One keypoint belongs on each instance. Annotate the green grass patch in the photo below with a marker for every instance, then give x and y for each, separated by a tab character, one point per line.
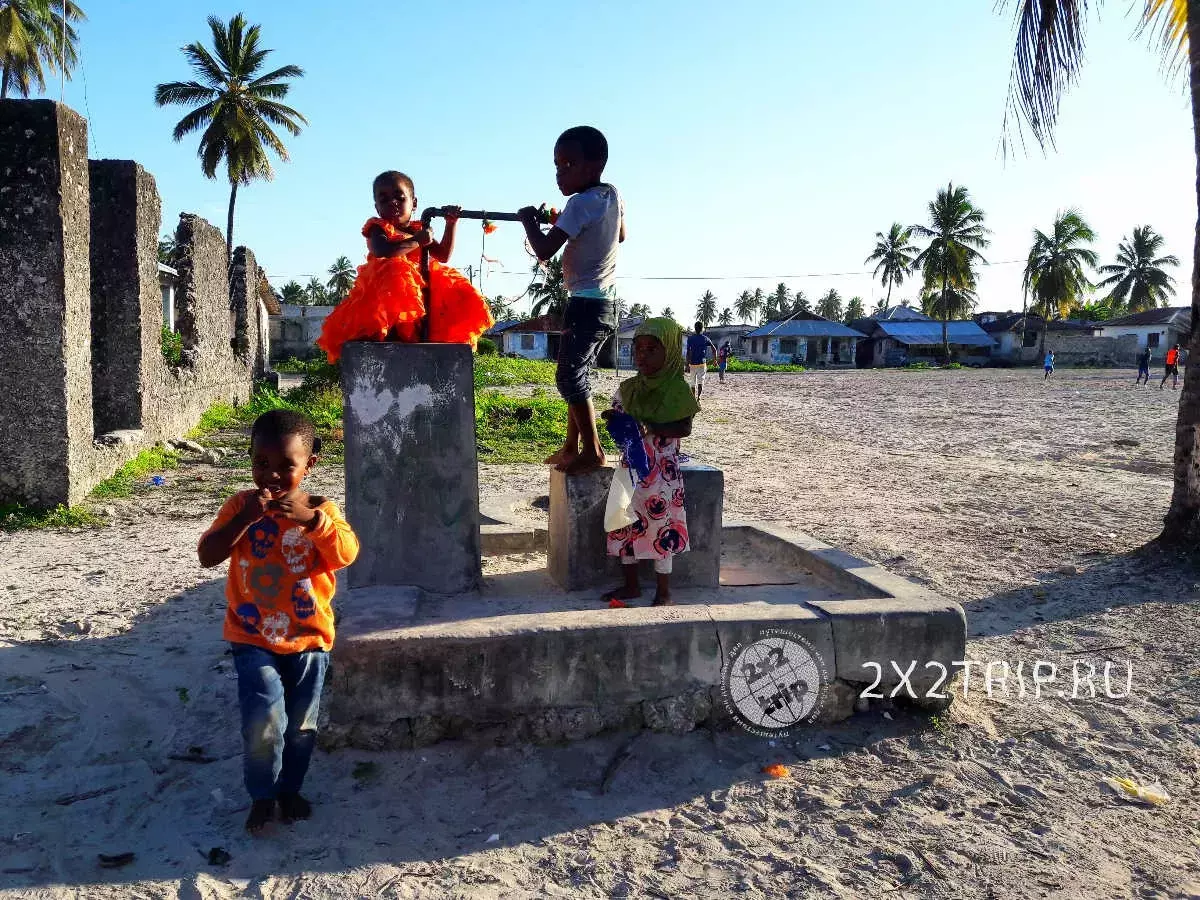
744	365
142	466
172	346
15	517
521	429
503	371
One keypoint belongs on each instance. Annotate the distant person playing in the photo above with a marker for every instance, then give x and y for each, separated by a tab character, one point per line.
283	547
659	401
723	360
1144	366
1172	372
1048	364
698	347
591	226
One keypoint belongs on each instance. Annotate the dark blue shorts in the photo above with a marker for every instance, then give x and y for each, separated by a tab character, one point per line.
587	324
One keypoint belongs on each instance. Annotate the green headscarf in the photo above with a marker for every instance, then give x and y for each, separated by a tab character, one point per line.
664	397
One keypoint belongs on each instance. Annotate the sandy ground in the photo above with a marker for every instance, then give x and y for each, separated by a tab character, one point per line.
1025	501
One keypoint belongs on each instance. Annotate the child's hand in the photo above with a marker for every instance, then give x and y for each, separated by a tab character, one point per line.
451	213
423	237
256	506
295	511
528	215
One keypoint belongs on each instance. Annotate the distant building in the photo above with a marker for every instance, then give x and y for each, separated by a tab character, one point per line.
902	335
1018	336
168	278
295	330
1157	329
806	339
536	338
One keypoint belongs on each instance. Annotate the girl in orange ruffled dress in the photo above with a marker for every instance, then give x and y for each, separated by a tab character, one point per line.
385	303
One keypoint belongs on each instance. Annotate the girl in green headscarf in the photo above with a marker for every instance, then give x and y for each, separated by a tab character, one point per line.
658	398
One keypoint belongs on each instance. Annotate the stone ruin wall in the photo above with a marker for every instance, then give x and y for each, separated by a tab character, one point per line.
83	382
1085	350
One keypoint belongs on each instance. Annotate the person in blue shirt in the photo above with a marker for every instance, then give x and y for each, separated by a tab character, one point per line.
1049	364
698	348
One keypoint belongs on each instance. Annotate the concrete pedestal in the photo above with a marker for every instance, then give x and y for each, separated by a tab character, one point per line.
412	476
577	556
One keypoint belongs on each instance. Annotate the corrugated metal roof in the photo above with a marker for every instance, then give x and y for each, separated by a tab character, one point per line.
963	333
805	328
1161	316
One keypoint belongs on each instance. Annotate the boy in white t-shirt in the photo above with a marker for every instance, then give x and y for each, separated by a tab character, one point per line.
591	225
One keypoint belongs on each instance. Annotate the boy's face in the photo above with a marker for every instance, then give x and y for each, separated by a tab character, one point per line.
280	465
572	172
394	200
649	355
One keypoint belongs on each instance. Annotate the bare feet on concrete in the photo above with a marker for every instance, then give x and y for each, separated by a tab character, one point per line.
261	812
293	807
582	464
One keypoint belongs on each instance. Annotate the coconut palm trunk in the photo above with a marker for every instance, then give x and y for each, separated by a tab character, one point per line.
945	321
4	82
229	223
1183	518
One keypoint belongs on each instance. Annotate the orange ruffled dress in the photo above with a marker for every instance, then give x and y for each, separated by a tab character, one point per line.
387	294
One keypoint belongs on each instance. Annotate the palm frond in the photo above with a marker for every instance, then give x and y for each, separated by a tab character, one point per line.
183	93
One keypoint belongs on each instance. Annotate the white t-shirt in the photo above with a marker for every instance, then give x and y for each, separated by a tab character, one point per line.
592	222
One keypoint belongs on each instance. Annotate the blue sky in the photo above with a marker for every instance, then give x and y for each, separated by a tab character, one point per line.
753	143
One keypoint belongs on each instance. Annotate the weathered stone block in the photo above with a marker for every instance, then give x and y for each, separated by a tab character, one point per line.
412	477
578	556
45	288
126	297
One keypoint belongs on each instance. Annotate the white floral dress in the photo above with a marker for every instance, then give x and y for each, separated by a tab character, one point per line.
660	531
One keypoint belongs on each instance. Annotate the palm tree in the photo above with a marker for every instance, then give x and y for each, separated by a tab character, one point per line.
293	292
549	294
830	306
894	256
726	317
1054	275
952	303
782	299
166	249
236	104
1137	278
33	34
745	306
341	278
639	311
317	295
956	235
800	304
1048	57
706	309
668	313
855	309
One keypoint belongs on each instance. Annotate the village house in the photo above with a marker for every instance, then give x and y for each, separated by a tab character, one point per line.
536	338
1018	336
294	331
1157	329
806	339
902	335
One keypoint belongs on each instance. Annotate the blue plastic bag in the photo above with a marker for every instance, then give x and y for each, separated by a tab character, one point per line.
624	430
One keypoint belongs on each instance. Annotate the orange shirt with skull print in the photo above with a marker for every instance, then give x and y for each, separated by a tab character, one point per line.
281	578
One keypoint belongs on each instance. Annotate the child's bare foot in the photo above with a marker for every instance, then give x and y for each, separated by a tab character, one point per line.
582	464
293	807
261	812
561	456
625	592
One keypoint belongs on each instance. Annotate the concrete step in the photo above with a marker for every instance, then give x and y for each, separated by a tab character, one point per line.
522	660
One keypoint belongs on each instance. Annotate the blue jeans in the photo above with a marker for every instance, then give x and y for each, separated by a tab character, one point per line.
587	324
280	696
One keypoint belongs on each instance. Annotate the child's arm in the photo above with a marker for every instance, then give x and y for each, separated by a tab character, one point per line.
680	429
441	250
334	539
544	244
217	544
379	245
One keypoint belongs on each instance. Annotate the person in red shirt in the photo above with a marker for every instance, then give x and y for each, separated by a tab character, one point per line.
283	547
1172	371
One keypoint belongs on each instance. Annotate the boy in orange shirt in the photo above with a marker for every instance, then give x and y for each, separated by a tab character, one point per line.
284	546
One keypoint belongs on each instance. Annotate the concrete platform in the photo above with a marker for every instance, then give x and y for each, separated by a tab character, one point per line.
522	660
